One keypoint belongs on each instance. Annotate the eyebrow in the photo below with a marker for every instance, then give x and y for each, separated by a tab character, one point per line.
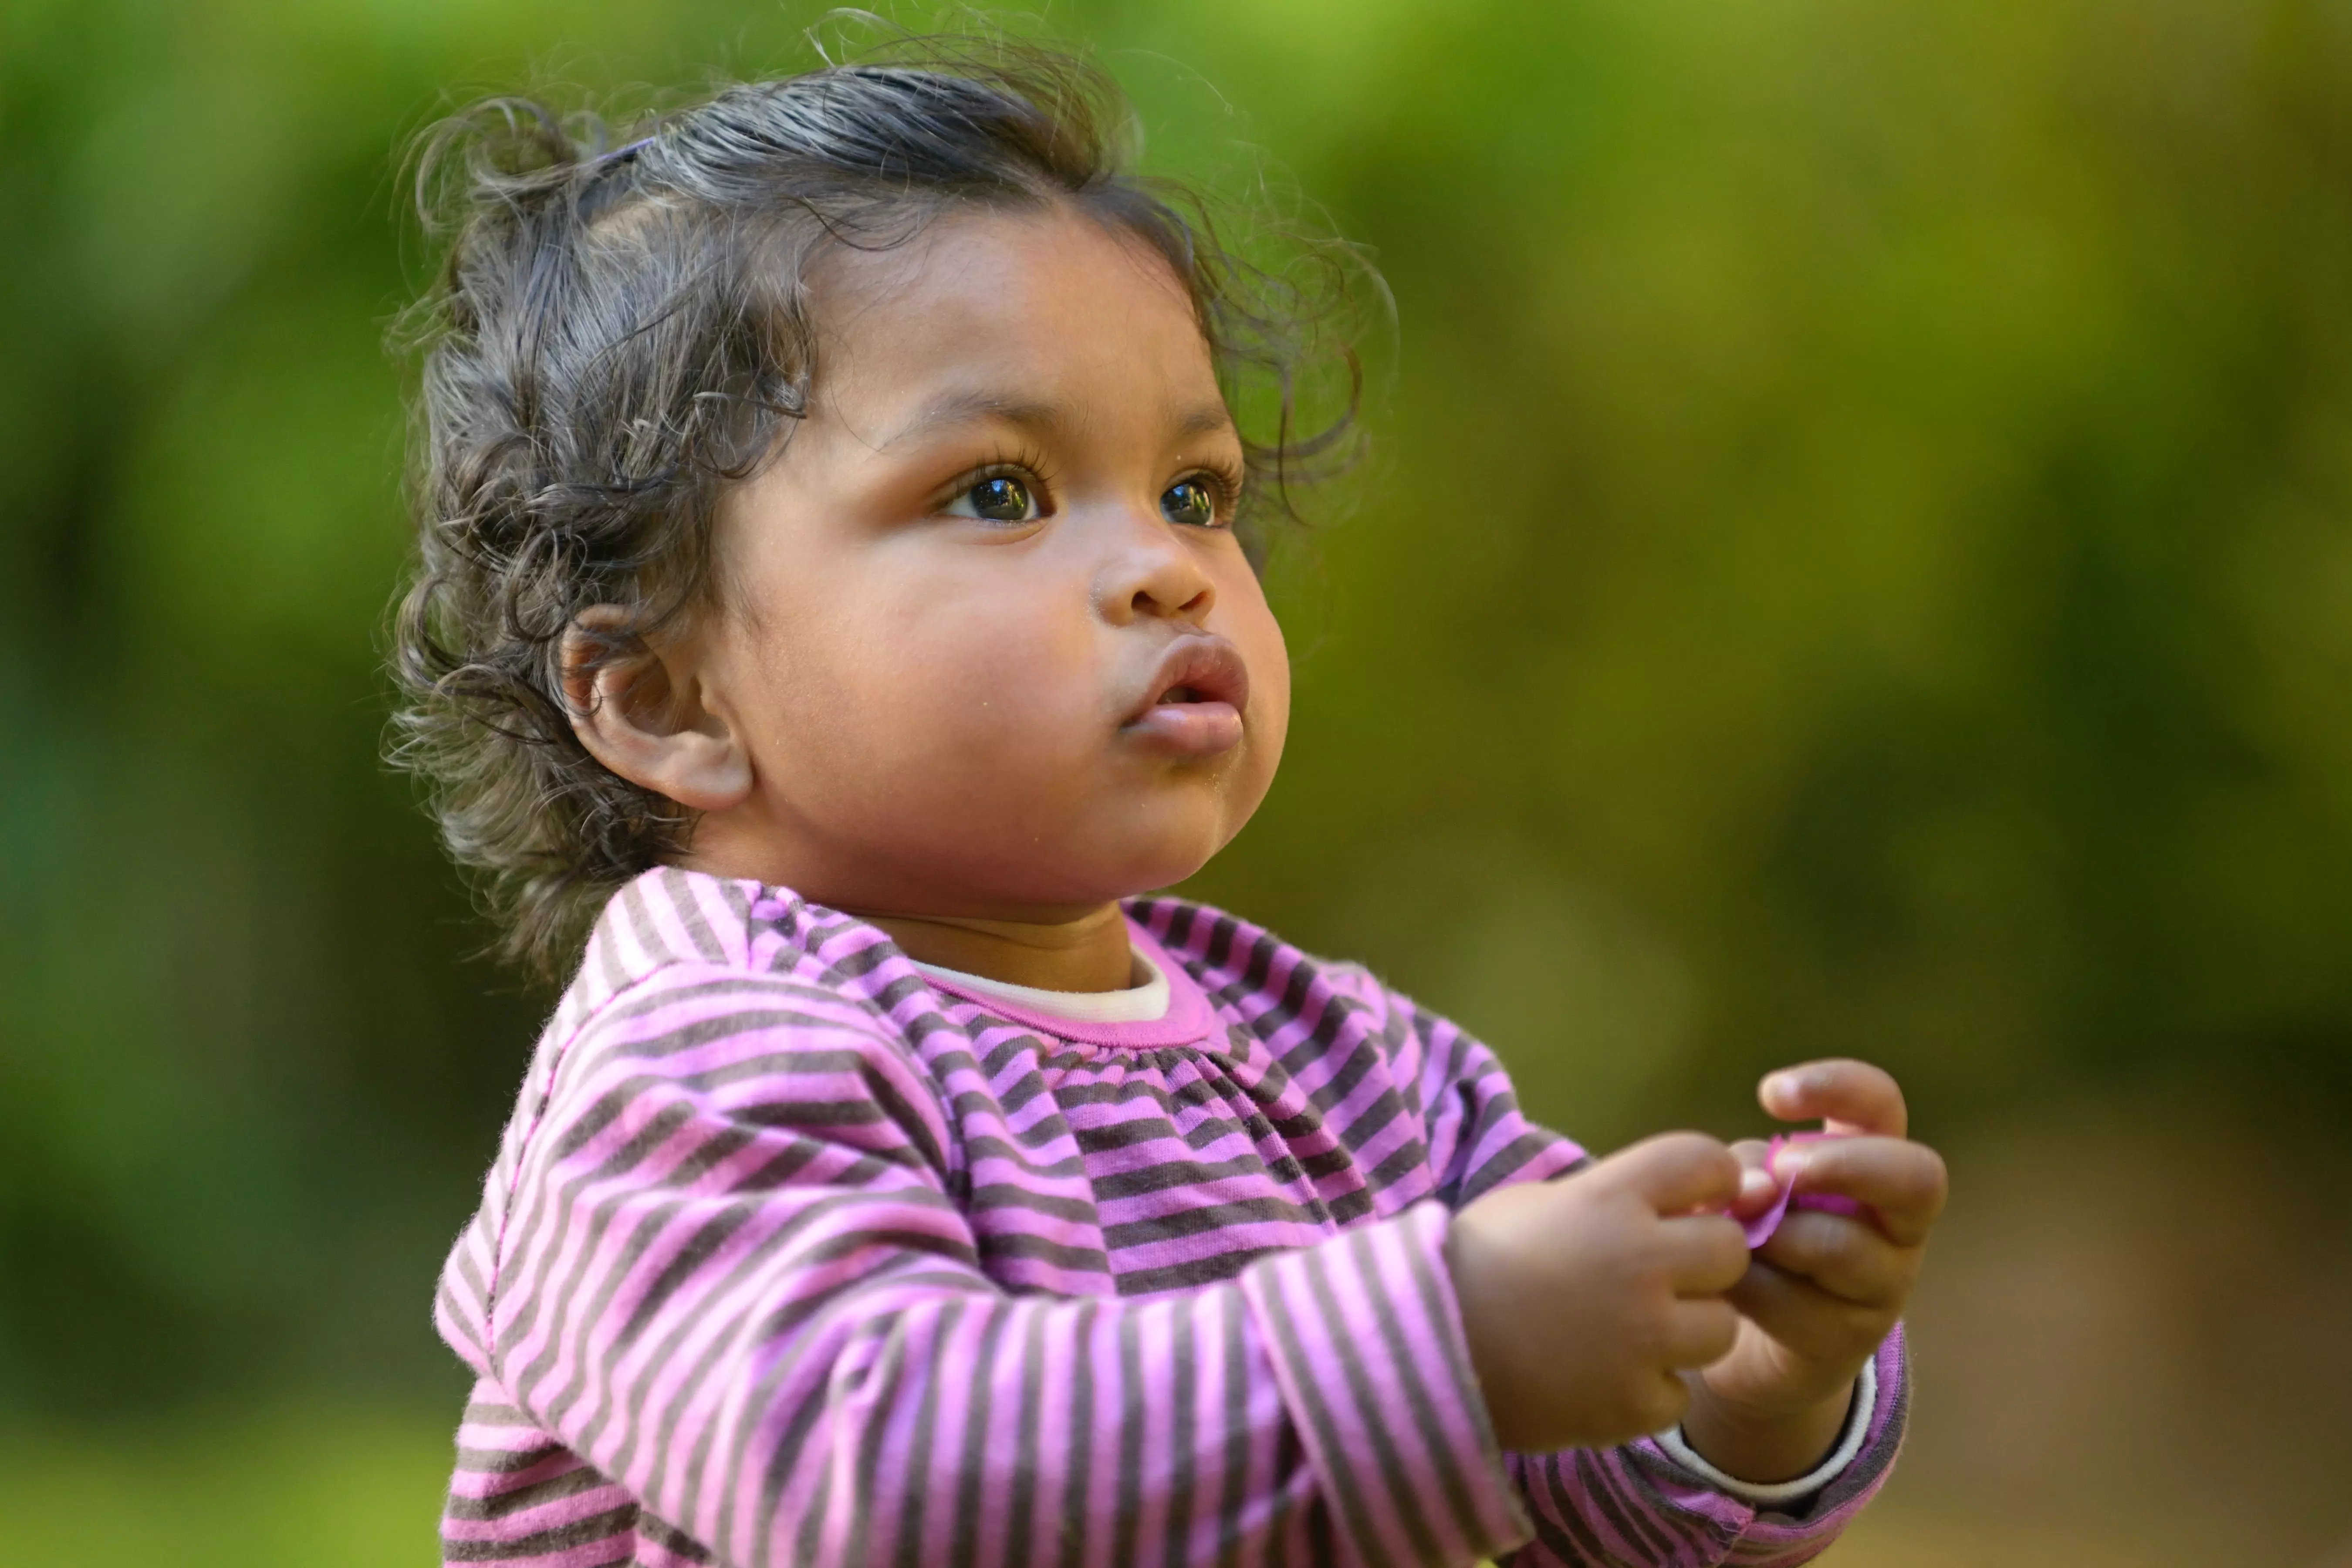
957	409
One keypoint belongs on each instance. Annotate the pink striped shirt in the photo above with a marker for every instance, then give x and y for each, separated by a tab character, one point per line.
792	1255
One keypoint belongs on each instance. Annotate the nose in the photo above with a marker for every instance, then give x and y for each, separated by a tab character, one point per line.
1152	574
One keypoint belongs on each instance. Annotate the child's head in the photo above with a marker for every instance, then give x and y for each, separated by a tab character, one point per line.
828	487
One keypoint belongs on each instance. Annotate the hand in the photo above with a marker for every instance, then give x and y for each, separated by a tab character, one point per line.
1584	1298
1821	1295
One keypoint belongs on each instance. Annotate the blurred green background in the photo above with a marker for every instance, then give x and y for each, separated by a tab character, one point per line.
1861	561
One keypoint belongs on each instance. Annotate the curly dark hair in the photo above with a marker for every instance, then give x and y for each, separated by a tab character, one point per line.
618	333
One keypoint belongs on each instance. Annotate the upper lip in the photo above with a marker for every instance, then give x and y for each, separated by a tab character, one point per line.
1204	663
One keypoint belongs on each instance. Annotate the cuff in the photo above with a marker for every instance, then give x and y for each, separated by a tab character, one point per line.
1366	1342
1780	1494
1781	1535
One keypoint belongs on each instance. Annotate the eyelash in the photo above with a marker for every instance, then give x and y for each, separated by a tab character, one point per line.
1010	463
1225	487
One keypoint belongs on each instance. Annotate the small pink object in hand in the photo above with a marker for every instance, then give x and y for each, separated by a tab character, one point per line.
1760	1229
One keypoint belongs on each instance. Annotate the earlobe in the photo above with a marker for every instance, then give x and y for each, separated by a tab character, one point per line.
643	714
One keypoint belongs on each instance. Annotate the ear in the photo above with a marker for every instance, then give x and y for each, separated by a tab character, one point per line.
645	715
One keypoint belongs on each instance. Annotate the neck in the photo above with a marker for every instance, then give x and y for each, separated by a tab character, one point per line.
1088	953
1064	950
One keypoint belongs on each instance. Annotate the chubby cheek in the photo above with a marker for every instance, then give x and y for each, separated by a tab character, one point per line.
1014	703
1259	637
955	716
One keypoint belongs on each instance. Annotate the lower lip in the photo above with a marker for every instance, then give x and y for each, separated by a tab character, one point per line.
1192	729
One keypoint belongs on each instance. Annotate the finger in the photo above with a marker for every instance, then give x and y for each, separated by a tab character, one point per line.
1705	1254
1674	1172
1699	1334
1905	1183
1850	1096
1669	1402
1846	1258
1758	1186
1807	1319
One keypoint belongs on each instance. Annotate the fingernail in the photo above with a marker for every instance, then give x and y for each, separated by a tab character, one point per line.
1787	1164
1781	1084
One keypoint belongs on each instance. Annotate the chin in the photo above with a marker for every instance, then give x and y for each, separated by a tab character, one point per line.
1083	869
1158	860
1164	871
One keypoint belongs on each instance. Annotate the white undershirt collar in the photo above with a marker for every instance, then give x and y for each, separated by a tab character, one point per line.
1137	1005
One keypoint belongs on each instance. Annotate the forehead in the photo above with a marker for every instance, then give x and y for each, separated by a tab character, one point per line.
1042	304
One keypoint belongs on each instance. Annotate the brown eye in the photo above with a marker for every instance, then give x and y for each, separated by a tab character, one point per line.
1190	503
999	499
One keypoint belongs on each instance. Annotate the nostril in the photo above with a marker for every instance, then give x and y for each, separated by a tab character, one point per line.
1166	586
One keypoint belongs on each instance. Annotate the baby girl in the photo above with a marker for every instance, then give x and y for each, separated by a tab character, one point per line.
838	589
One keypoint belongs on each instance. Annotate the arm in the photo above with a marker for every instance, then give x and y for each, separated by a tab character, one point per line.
734	1277
1637	1504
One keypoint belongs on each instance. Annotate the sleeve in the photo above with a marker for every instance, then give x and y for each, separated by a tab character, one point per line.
1638	1505
733	1278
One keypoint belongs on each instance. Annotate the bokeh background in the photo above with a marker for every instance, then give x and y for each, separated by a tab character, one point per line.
1860	560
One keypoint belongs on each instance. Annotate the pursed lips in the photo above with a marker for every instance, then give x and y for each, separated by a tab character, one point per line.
1194	699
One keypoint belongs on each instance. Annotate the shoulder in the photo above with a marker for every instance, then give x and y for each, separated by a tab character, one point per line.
719	1021
672	926
1256	978
1225	952
743	997
665	918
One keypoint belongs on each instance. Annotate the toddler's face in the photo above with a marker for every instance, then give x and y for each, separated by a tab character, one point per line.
988	644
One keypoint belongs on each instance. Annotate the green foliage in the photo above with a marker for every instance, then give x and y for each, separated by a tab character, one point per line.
1860	563
296	1486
